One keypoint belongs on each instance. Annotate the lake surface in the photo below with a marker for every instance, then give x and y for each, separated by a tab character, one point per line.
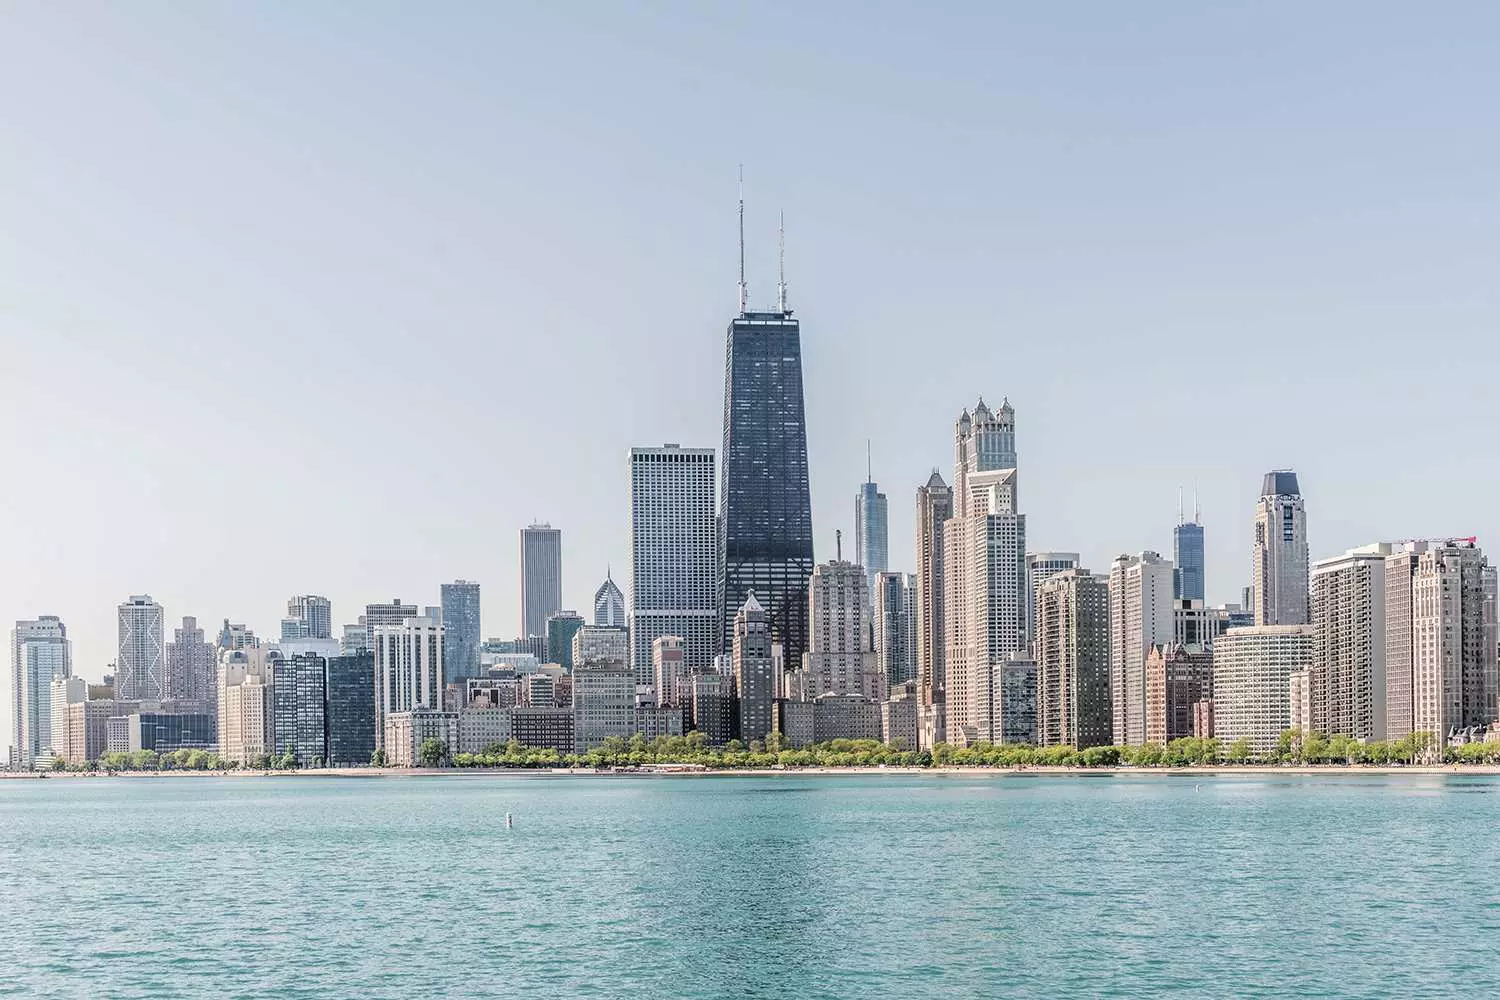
836	887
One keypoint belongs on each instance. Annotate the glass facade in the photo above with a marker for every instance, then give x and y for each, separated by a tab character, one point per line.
299	713
871	532
765	508
560	630
350	712
461	635
1187	558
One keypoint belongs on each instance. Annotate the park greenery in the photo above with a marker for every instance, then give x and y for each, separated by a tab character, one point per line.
1292	748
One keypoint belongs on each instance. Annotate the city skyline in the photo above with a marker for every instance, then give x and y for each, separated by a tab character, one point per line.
1301	266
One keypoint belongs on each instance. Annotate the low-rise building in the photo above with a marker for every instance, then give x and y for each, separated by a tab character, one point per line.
603	704
481	725
830	717
544	727
652	721
405	732
898	716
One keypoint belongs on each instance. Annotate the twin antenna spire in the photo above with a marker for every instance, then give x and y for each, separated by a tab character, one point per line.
780	256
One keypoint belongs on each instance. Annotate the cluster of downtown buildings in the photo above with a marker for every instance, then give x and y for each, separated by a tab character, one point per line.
730	628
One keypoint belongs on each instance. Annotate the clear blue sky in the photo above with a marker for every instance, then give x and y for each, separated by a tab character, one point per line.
335	298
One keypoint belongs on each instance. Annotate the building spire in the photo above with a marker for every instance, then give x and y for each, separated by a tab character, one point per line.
781	264
1197	507
869	465
744	289
1181	516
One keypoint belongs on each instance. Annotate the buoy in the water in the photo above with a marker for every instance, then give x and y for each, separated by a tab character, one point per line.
507	821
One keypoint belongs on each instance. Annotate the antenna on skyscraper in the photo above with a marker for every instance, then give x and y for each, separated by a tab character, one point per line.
869	466
744	290
838	545
1197	507
781	264
1180	514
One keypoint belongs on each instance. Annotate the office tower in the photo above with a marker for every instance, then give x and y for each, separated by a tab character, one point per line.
934	508
350	711
40	654
1177	678
1041	566
1014	684
1440	640
1187	555
192	673
560	628
603	704
308	616
1196	625
1140	616
246	713
765	507
609	602
541	576
984	573
752	670
672	552
1346	682
871	530
895	639
299	713
669	671
461	632
1072	656
408	669
1251	684
141	663
1279	559
376	615
601	644
840	658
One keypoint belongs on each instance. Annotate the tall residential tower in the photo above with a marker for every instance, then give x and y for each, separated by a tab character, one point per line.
1279	558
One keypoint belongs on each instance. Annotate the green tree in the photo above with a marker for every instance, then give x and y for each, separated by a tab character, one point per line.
1239	751
433	752
377	759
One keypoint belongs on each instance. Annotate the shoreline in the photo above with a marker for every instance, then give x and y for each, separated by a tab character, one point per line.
1216	770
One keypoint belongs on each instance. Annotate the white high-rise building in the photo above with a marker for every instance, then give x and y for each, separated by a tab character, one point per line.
1440	641
40	654
841	659
1279	557
141	663
669	671
541	577
1346	682
601	644
1140	616
408	669
1040	567
1252	673
246	724
673	548
609	604
984	574
934	509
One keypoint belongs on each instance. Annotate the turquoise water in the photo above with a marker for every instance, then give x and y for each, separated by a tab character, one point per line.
877	886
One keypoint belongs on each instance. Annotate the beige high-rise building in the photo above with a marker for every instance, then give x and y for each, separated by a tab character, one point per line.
984	574
1299	702
1346	682
934	508
840	658
1252	682
246	722
601	644
1279	556
1140	616
1072	656
1440	640
669	668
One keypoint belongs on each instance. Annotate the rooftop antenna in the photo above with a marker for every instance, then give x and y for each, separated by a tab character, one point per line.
781	264
838	545
1180	515
744	289
869	467
1197	507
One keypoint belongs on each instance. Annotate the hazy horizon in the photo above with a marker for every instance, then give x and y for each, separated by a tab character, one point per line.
335	300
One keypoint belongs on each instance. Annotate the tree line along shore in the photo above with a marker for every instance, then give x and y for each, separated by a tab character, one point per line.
1293	748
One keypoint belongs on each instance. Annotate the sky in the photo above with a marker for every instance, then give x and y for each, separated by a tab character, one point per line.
335	298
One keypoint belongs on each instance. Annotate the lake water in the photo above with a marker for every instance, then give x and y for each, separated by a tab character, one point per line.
836	887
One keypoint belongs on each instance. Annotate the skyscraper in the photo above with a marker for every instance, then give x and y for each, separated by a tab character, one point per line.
1252	670
1187	558
350	693
1140	616
765	506
672	553
140	666
308	616
192	673
609	602
541	576
40	654
1279	557
1440	640
1040	567
1072	657
871	530
408	669
934	508
752	670
376	615
894	610
560	628
840	658
299	714
1346	680
461	631
245	711
984	574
